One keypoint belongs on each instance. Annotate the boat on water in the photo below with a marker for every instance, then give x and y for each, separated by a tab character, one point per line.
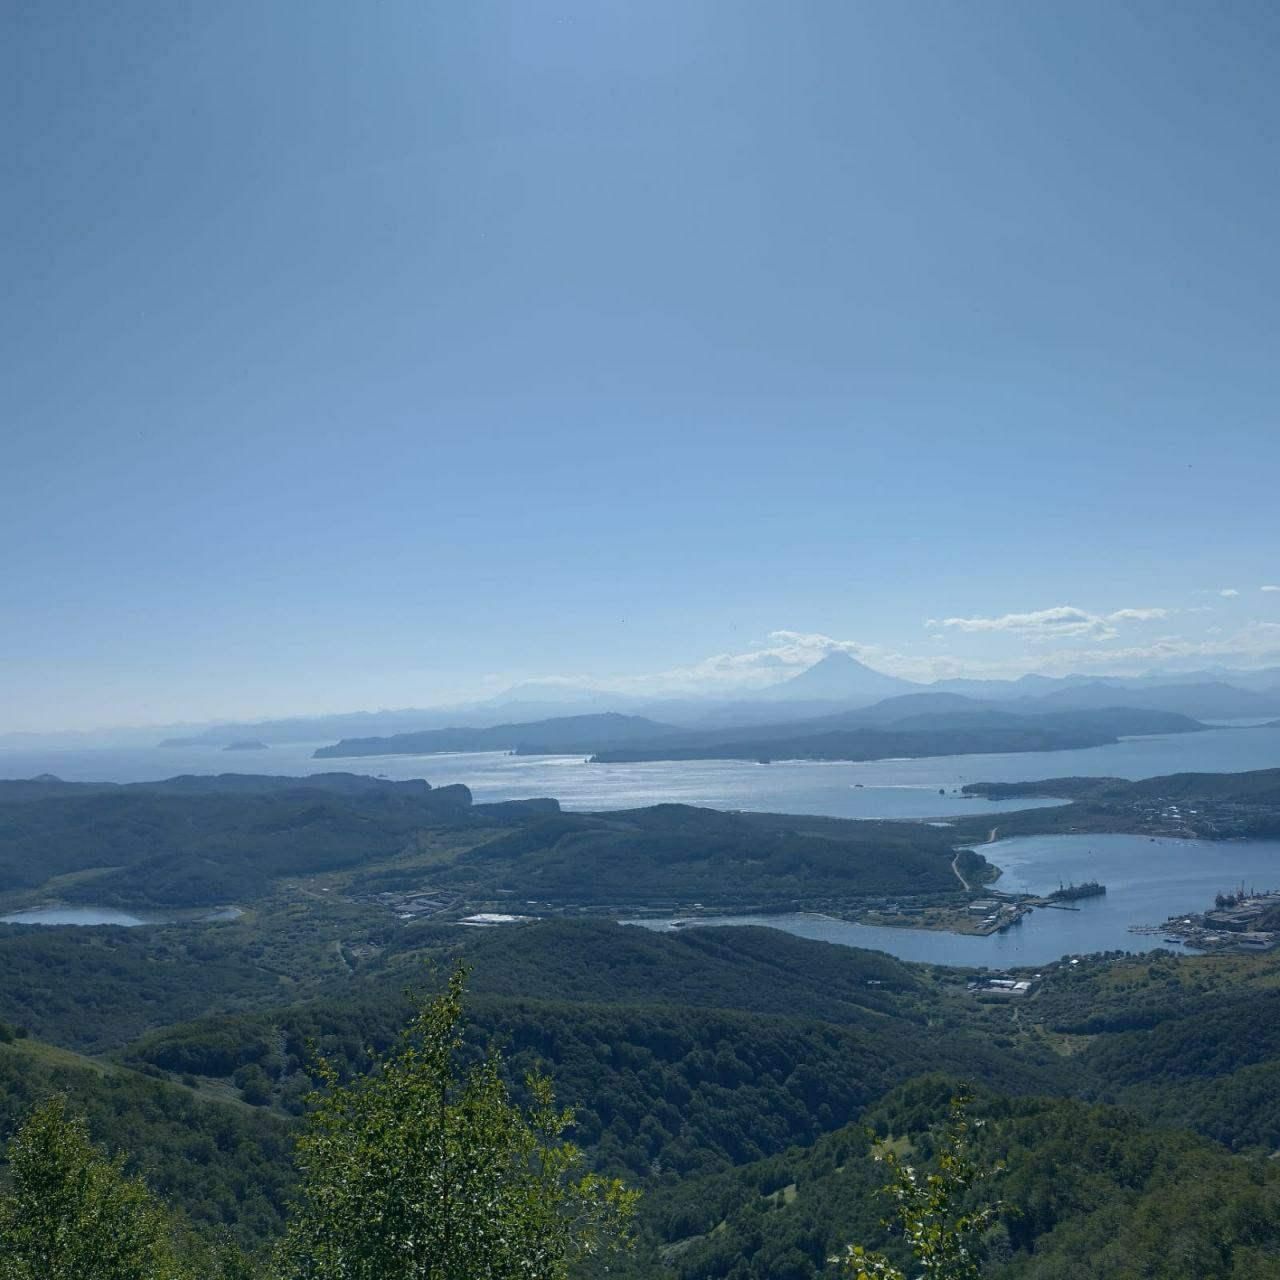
1070	892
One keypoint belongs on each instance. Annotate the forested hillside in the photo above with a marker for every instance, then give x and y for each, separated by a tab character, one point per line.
1087	1190
725	1073
226	1166
162	850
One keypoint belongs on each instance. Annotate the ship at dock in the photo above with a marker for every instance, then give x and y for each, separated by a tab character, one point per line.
1070	892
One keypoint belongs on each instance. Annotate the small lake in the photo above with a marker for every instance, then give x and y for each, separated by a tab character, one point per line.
1147	881
108	915
75	915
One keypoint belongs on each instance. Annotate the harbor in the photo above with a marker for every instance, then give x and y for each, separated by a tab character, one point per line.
1240	921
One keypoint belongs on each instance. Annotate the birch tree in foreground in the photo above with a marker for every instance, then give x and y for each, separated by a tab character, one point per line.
426	1170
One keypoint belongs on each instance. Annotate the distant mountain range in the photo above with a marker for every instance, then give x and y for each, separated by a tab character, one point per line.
831	711
927	734
837	677
836	684
911	726
1210	701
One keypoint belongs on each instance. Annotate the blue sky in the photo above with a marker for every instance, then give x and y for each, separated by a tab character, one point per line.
374	355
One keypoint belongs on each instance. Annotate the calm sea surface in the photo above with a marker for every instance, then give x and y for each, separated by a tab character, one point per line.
874	789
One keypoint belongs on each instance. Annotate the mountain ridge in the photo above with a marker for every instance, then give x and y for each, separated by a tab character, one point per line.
837	682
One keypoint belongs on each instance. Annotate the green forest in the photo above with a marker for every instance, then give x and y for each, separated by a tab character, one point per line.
740	1087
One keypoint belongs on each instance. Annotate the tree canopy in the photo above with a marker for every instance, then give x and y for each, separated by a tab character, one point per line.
427	1170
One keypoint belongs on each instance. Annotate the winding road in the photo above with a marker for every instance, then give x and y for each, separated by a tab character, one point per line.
968	888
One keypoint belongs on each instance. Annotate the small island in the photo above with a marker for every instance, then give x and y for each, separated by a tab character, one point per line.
245	746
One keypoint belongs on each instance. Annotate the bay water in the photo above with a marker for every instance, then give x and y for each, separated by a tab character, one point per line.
922	789
1146	881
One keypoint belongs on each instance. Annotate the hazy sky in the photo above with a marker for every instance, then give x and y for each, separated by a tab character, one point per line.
375	354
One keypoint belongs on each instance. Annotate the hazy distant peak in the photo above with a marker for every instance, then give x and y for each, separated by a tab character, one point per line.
837	676
552	693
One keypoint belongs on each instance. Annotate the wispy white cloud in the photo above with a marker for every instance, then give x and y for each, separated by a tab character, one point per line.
1060	621
1255	643
1269	588
1228	591
1138	615
779	655
785	653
